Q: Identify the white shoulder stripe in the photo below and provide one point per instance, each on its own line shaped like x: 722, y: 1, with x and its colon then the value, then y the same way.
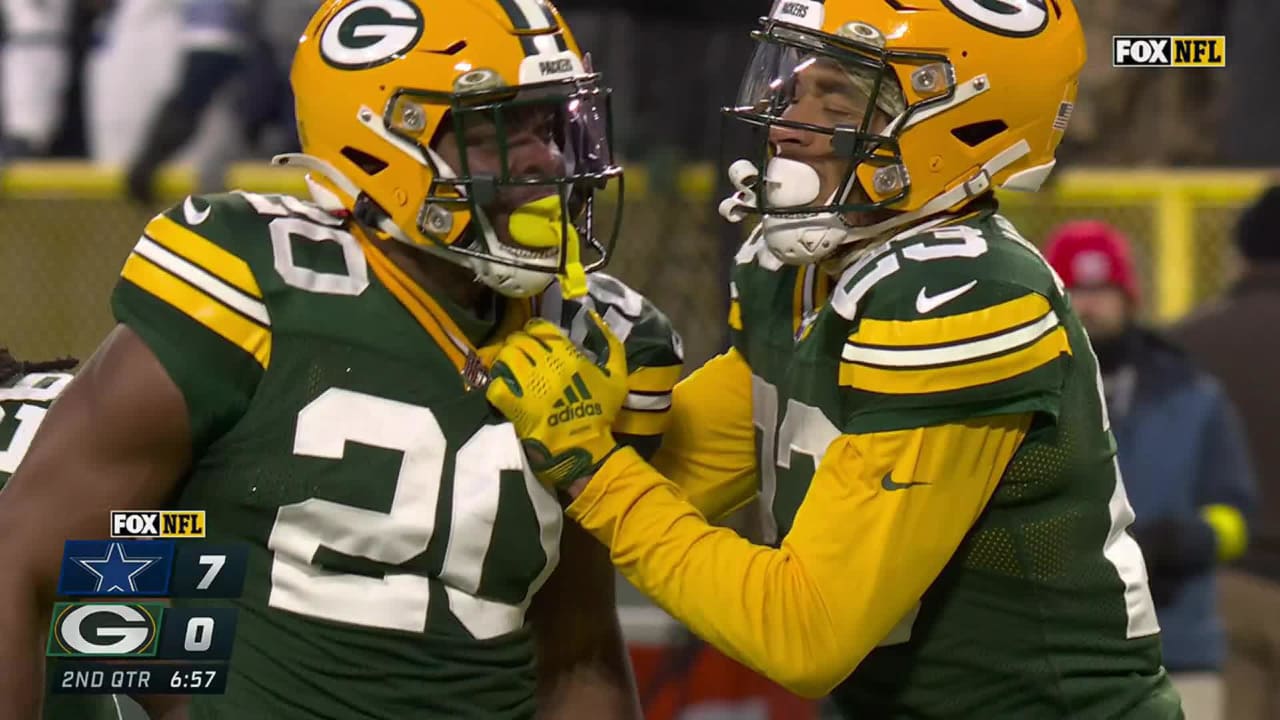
x: 198, y: 277
x: 651, y: 403
x: 961, y: 352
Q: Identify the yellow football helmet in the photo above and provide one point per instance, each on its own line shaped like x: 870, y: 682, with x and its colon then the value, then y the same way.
x: 470, y: 128
x: 955, y: 97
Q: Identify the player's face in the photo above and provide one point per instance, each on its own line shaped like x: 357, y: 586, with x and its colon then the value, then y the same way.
x: 1104, y: 310
x: 531, y: 152
x: 825, y: 94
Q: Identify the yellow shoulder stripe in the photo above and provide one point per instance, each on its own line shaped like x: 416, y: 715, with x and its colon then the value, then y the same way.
x: 654, y: 379
x: 916, y: 380
x: 189, y: 245
x: 253, y: 338
x: 952, y: 328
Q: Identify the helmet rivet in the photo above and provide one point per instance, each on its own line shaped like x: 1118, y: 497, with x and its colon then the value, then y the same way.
x: 930, y: 79
x: 862, y: 32
x: 980, y: 83
x: 413, y: 118
x: 475, y: 80
x: 887, y: 180
x: 366, y: 115
x: 437, y: 220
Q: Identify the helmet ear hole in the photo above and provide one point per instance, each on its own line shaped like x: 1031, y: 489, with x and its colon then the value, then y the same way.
x: 974, y: 134
x: 367, y: 163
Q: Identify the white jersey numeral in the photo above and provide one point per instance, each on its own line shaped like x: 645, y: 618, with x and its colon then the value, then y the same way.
x: 399, y: 600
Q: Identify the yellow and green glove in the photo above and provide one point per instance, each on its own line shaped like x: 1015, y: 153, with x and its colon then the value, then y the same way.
x: 561, y: 401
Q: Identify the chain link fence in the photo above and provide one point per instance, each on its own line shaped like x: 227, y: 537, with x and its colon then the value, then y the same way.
x: 63, y: 243
x: 66, y: 234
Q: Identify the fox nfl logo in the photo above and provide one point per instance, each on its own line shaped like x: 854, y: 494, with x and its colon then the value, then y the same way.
x: 1179, y: 51
x: 157, y: 523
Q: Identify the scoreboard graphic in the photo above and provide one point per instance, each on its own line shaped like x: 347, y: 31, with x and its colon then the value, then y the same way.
x: 113, y: 629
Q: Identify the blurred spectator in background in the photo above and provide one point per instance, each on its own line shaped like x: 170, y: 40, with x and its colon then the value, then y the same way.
x: 215, y: 46
x: 1182, y: 455
x: 1236, y: 339
x: 36, y: 62
x: 237, y: 44
x: 128, y: 74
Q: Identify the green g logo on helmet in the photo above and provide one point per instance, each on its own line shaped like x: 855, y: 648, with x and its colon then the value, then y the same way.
x: 369, y: 33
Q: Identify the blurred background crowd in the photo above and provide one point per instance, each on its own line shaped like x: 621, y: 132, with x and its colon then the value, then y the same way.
x: 1160, y: 221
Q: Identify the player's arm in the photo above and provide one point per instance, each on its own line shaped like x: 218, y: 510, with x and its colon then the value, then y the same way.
x: 118, y: 437
x: 709, y: 446
x: 180, y: 367
x: 865, y: 545
x: 698, y: 432
x: 940, y: 401
x: 583, y: 667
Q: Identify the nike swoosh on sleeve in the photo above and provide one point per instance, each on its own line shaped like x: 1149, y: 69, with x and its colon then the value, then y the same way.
x: 192, y: 215
x: 926, y: 304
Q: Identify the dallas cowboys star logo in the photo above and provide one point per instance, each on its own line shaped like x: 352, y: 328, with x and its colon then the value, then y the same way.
x: 116, y: 572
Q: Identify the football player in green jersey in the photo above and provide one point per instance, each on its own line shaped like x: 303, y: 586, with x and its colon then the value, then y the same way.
x: 27, y: 389
x: 909, y: 392
x: 308, y: 373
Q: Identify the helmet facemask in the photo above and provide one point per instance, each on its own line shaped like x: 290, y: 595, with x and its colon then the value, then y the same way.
x: 841, y: 93
x: 514, y: 177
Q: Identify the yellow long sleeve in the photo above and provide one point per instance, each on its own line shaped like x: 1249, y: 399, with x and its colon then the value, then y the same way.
x: 709, y: 447
x: 883, y: 515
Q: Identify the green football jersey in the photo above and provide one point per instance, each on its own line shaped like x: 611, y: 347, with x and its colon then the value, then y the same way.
x: 24, y: 400
x: 395, y: 537
x: 1044, y: 610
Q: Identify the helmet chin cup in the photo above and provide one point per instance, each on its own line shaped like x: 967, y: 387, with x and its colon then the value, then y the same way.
x: 510, y: 281
x: 804, y: 240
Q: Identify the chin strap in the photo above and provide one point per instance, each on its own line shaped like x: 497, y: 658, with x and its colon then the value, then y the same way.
x: 810, y: 238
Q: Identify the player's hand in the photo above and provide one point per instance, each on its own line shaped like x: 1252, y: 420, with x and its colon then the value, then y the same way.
x: 561, y: 401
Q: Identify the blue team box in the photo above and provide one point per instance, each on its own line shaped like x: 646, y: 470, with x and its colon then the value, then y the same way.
x: 151, y: 568
x: 116, y: 568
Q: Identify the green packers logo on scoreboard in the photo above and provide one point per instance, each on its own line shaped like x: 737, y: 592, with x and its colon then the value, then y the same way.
x: 84, y: 632
x: 140, y: 630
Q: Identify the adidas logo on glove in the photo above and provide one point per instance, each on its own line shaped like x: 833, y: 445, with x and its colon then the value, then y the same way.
x: 574, y: 404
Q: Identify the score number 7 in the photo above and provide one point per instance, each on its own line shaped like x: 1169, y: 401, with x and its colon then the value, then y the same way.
x: 215, y: 563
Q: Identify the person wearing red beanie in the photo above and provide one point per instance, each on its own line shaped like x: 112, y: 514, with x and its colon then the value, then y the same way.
x: 1181, y: 453
x: 1096, y: 265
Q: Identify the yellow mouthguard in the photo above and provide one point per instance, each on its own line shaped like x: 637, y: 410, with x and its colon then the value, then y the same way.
x: 538, y: 224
